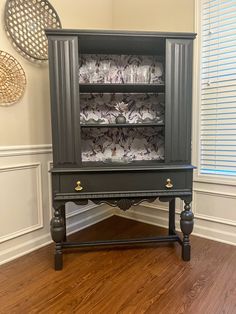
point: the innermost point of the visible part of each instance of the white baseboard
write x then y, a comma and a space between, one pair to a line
153, 216
145, 216
90, 217
22, 249
159, 217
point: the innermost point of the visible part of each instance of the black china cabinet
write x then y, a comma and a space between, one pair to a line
121, 125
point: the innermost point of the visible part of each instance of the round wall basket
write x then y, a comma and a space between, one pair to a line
12, 79
26, 21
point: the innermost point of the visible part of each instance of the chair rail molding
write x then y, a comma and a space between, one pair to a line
21, 150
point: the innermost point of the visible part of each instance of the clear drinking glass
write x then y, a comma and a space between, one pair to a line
91, 68
105, 70
126, 75
143, 74
130, 74
133, 73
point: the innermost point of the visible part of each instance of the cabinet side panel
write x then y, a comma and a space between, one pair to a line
179, 54
63, 67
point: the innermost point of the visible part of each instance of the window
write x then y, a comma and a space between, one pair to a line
218, 87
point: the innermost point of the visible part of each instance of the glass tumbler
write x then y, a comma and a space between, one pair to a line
130, 74
143, 74
105, 70
91, 68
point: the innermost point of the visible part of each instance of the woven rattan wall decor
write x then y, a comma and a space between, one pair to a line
12, 79
25, 22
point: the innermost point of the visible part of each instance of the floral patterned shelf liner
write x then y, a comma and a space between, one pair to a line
122, 143
100, 108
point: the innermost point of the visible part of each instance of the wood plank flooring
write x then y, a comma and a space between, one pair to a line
147, 279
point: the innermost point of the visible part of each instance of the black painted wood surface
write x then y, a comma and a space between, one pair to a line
121, 185
178, 105
63, 67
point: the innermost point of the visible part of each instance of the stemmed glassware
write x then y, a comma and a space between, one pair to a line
105, 69
91, 68
101, 71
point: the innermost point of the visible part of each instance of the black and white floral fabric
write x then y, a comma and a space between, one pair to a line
141, 108
122, 144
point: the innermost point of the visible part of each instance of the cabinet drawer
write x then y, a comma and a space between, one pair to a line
129, 181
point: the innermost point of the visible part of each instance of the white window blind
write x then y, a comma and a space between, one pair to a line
218, 87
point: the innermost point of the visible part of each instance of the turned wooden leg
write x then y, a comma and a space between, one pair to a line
186, 224
172, 216
58, 257
58, 234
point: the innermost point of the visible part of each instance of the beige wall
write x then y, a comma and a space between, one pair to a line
28, 122
157, 15
92, 14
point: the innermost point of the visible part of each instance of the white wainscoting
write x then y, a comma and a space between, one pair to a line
25, 202
26, 208
21, 190
214, 207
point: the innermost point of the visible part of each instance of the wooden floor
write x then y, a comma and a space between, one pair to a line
148, 279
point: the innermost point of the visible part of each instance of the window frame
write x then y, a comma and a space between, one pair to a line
196, 117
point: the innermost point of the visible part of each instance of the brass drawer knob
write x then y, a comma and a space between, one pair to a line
169, 184
78, 187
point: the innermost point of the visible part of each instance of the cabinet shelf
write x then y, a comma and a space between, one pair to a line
133, 164
123, 125
122, 88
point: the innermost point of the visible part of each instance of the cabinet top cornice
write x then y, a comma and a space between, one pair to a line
122, 33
